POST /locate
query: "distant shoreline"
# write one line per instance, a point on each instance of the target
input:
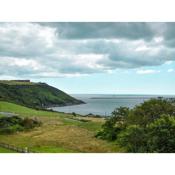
(54, 106)
(120, 97)
(131, 97)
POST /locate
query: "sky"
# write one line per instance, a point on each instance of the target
(91, 58)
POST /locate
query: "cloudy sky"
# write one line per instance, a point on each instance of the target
(124, 58)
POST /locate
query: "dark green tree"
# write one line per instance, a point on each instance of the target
(161, 135)
(150, 110)
(133, 139)
(149, 127)
(113, 125)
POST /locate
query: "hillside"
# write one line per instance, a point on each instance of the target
(59, 132)
(35, 95)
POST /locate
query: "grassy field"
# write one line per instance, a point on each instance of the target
(59, 133)
(4, 150)
(1, 115)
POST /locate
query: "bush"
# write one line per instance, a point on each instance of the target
(11, 129)
(149, 127)
(73, 113)
(28, 123)
(114, 124)
(9, 125)
(121, 113)
(149, 111)
(8, 121)
(158, 136)
(161, 135)
(133, 138)
(110, 129)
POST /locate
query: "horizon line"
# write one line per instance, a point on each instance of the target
(118, 94)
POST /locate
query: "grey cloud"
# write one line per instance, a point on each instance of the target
(111, 30)
(25, 39)
(90, 30)
(63, 49)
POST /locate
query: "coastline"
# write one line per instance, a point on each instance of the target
(85, 115)
(68, 104)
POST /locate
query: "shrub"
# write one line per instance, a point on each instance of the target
(150, 110)
(9, 125)
(73, 113)
(8, 121)
(110, 130)
(121, 113)
(28, 123)
(11, 129)
(133, 138)
(114, 124)
(161, 135)
(158, 136)
(149, 127)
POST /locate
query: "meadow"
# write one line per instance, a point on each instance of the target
(59, 132)
(4, 150)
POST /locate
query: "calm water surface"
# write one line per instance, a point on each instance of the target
(103, 104)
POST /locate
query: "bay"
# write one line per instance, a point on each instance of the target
(104, 104)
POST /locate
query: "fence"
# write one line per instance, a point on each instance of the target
(14, 148)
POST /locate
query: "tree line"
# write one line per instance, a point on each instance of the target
(148, 127)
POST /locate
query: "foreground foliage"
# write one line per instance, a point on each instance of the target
(59, 132)
(9, 125)
(149, 127)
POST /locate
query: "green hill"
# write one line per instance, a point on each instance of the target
(35, 95)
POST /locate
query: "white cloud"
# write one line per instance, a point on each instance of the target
(170, 70)
(142, 48)
(53, 50)
(26, 39)
(147, 71)
(20, 63)
(168, 62)
(158, 39)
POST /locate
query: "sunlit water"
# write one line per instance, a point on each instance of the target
(104, 104)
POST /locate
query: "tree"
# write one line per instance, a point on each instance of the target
(108, 131)
(150, 110)
(158, 136)
(120, 114)
(161, 135)
(113, 125)
(133, 139)
(149, 127)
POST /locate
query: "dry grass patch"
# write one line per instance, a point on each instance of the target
(59, 132)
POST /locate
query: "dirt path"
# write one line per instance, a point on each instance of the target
(7, 114)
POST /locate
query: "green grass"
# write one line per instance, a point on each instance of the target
(35, 95)
(27, 112)
(90, 125)
(59, 132)
(4, 150)
(1, 115)
(9, 82)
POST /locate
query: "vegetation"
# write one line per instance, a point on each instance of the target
(9, 125)
(35, 95)
(149, 127)
(4, 150)
(59, 132)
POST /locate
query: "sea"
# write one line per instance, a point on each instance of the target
(104, 104)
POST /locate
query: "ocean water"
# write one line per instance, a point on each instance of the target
(104, 104)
